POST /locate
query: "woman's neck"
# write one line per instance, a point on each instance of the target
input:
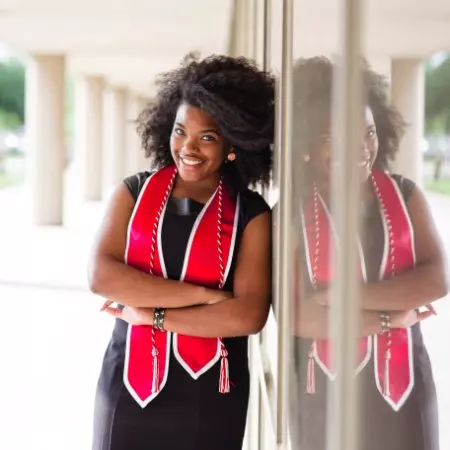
(200, 191)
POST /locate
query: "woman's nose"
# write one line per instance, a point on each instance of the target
(364, 149)
(189, 146)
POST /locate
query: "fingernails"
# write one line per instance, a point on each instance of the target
(106, 305)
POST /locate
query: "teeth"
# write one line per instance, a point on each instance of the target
(191, 161)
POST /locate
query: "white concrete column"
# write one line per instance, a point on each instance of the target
(144, 163)
(133, 151)
(114, 137)
(408, 94)
(45, 125)
(89, 135)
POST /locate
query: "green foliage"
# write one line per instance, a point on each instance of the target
(441, 186)
(8, 179)
(9, 121)
(437, 97)
(12, 93)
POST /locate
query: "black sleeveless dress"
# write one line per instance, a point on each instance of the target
(188, 414)
(415, 425)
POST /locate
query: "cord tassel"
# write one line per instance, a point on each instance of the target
(311, 377)
(155, 381)
(224, 381)
(155, 384)
(386, 378)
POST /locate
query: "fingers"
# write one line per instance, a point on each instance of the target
(430, 308)
(424, 315)
(106, 305)
(115, 312)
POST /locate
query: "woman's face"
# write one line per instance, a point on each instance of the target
(198, 148)
(321, 153)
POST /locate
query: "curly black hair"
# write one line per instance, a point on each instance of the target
(236, 93)
(313, 85)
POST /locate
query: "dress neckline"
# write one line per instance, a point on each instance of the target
(184, 206)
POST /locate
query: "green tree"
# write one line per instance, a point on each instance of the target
(12, 93)
(437, 97)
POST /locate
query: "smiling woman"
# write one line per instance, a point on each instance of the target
(239, 102)
(197, 145)
(401, 265)
(185, 253)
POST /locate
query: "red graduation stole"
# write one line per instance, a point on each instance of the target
(393, 351)
(207, 262)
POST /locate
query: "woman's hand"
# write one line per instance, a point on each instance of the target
(133, 316)
(216, 297)
(407, 319)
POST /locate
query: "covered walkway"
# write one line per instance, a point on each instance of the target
(114, 50)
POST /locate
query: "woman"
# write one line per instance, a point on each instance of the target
(186, 250)
(401, 265)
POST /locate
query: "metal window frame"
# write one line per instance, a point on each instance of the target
(345, 203)
(283, 242)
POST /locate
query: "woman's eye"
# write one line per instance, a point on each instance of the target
(208, 138)
(371, 134)
(178, 131)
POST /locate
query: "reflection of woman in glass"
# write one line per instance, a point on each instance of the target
(401, 266)
(186, 249)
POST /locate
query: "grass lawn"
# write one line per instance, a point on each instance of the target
(10, 179)
(442, 186)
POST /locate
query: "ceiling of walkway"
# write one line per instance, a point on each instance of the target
(130, 41)
(398, 28)
(127, 40)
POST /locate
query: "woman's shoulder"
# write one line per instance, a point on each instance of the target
(405, 185)
(252, 205)
(135, 183)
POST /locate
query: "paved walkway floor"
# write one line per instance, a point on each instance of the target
(52, 335)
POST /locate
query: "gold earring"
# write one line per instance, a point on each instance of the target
(231, 156)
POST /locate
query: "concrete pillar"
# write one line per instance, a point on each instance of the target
(408, 94)
(89, 135)
(45, 125)
(134, 152)
(114, 137)
(144, 162)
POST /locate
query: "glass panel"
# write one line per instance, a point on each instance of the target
(396, 400)
(326, 165)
